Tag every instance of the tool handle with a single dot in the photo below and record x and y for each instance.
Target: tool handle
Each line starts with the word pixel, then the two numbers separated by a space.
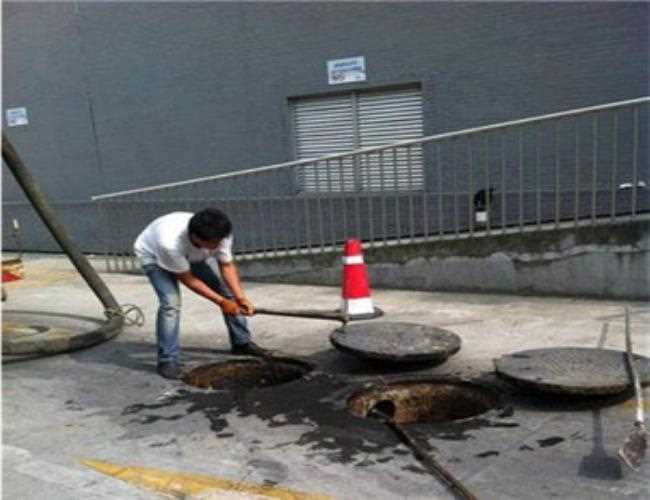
pixel 307 313
pixel 633 372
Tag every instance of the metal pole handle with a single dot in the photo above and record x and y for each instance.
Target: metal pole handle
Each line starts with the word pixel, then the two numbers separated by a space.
pixel 305 313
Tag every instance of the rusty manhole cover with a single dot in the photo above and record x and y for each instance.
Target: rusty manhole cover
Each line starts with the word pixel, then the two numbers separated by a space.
pixel 396 342
pixel 408 402
pixel 571 370
pixel 246 373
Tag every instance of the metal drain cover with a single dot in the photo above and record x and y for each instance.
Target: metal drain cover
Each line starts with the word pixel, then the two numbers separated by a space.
pixel 396 342
pixel 571 370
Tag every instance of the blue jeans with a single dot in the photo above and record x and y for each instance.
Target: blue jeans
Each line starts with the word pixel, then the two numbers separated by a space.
pixel 169 310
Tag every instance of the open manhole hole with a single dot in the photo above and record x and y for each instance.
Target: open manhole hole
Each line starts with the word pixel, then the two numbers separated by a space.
pixel 409 402
pixel 246 373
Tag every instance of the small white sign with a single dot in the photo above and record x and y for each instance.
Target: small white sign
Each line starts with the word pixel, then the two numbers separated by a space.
pixel 16 117
pixel 350 69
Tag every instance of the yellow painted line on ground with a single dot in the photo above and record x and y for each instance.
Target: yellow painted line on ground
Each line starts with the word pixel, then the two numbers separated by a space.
pixel 188 485
pixel 631 405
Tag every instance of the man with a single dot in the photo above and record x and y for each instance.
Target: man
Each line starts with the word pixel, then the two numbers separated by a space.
pixel 184 247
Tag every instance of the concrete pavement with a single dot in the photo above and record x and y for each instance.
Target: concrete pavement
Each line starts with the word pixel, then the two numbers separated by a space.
pixel 106 404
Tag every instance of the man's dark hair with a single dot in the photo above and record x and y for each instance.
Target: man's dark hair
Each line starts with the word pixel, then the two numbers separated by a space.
pixel 210 224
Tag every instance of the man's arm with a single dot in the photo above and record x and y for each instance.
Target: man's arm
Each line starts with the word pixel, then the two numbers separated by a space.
pixel 200 288
pixel 230 277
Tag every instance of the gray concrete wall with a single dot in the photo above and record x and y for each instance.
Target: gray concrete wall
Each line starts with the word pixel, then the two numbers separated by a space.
pixel 122 95
pixel 604 261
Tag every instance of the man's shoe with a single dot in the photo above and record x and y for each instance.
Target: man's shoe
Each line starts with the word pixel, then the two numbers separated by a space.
pixel 250 349
pixel 170 370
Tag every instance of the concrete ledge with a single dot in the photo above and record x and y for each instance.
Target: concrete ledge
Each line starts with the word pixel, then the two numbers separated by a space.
pixel 611 261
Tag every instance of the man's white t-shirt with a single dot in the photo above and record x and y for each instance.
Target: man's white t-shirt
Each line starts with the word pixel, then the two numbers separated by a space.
pixel 166 242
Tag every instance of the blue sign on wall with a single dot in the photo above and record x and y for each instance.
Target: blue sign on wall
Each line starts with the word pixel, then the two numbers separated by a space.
pixel 350 69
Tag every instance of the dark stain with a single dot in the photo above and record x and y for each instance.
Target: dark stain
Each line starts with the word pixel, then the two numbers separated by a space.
pixel 150 419
pixel 159 445
pixel 73 405
pixel 551 441
pixel 460 431
pixel 383 460
pixel 332 433
pixel 230 434
pixel 525 447
pixel 491 453
pixel 415 469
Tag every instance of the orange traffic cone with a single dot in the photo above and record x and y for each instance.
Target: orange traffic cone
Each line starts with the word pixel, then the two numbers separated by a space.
pixel 357 303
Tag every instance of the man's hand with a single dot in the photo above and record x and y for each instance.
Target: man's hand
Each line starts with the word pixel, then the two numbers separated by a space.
pixel 229 307
pixel 246 306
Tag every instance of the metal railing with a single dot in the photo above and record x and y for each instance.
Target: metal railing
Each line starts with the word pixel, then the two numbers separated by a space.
pixel 583 166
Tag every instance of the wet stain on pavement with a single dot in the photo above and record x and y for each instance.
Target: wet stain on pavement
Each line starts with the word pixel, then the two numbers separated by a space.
pixel 329 430
pixel 160 445
pixel 551 441
pixel 415 469
pixel 460 431
pixel 485 454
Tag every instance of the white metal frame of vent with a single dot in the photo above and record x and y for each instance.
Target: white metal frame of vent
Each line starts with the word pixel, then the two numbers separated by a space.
pixel 332 124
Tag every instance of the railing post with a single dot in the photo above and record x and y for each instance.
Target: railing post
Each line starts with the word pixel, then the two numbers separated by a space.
pixel 614 167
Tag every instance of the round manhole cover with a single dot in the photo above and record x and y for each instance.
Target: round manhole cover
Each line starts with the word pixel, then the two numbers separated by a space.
pixel 409 402
pixel 396 342
pixel 571 370
pixel 246 373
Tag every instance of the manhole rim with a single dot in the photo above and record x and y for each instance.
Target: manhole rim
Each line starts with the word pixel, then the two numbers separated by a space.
pixel 498 395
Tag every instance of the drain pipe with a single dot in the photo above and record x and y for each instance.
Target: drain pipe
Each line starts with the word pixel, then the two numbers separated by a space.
pixel 385 415
pixel 48 216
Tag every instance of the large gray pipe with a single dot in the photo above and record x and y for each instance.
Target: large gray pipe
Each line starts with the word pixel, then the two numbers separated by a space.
pixel 47 214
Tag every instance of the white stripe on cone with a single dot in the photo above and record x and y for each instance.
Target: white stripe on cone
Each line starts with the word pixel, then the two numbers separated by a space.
pixel 353 259
pixel 352 307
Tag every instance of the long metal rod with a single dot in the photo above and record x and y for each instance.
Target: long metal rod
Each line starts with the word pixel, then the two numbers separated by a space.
pixel 50 219
pixel 373 149
pixel 422 455
pixel 304 313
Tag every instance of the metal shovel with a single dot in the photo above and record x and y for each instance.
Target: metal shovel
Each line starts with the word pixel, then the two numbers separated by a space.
pixel 634 448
